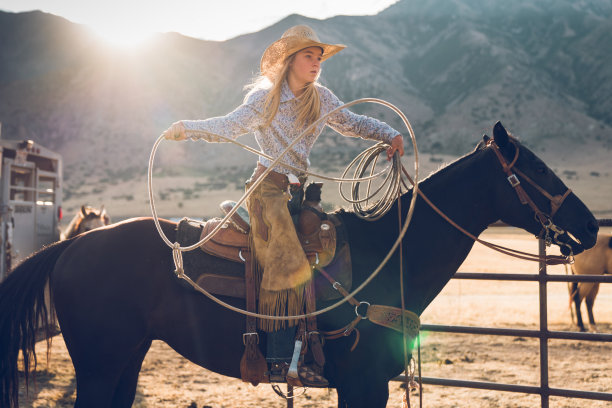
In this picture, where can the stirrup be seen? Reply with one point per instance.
(278, 372)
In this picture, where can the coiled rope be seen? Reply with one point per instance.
(374, 212)
(389, 188)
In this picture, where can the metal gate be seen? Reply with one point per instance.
(543, 334)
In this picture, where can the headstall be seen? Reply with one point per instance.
(555, 201)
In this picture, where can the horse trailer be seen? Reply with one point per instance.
(30, 200)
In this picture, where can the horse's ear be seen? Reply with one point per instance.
(485, 138)
(104, 215)
(500, 135)
(83, 211)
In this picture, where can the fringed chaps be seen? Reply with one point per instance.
(282, 265)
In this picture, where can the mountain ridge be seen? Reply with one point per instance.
(454, 68)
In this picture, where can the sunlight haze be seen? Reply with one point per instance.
(131, 22)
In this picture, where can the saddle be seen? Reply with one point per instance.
(325, 245)
(316, 233)
(322, 236)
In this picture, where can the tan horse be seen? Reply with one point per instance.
(85, 220)
(595, 261)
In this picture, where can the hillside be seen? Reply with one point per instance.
(454, 67)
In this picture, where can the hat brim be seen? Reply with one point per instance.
(275, 55)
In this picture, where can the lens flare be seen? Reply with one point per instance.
(122, 36)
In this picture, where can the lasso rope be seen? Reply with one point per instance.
(392, 182)
(383, 203)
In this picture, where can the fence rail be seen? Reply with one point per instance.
(543, 334)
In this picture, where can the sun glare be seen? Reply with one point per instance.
(123, 37)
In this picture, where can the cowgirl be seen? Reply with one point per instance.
(281, 104)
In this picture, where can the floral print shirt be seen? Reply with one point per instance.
(283, 130)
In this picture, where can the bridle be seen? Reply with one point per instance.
(556, 201)
(544, 219)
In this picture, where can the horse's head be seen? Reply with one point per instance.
(85, 220)
(92, 218)
(529, 195)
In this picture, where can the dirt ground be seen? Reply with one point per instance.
(168, 380)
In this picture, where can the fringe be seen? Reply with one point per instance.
(256, 269)
(287, 302)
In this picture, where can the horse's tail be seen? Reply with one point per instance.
(23, 314)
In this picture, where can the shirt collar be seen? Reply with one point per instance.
(286, 93)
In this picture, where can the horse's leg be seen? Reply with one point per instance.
(95, 389)
(126, 389)
(341, 401)
(590, 301)
(577, 299)
(103, 350)
(364, 392)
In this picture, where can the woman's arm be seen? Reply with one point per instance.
(242, 120)
(351, 124)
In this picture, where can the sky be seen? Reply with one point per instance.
(131, 21)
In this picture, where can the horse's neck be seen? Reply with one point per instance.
(463, 191)
(433, 248)
(73, 228)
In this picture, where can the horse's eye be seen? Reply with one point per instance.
(542, 169)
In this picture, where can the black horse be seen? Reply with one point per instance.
(114, 290)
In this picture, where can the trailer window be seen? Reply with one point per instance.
(22, 181)
(46, 190)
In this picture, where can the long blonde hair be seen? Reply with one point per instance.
(309, 108)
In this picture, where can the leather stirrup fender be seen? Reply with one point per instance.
(253, 365)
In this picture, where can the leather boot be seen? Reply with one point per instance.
(309, 375)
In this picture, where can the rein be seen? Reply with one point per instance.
(544, 219)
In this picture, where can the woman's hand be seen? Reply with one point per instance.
(175, 132)
(397, 144)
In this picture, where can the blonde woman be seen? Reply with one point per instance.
(282, 103)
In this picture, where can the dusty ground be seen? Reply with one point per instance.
(168, 380)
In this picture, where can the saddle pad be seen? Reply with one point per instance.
(226, 278)
(214, 274)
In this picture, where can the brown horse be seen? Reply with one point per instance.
(595, 261)
(115, 292)
(85, 220)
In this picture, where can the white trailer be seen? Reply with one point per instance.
(30, 200)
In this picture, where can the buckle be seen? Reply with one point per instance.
(314, 333)
(248, 335)
(365, 315)
(514, 181)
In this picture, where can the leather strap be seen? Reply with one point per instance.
(312, 334)
(386, 316)
(277, 178)
(253, 365)
(548, 259)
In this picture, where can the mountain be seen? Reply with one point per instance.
(454, 67)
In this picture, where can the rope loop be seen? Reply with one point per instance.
(378, 212)
(389, 188)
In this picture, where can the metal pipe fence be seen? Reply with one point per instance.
(543, 334)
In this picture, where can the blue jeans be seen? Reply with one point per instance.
(280, 344)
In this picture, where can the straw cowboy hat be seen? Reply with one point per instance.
(293, 40)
